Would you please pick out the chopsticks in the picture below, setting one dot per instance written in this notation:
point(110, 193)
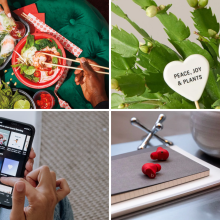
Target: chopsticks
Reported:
point(103, 67)
point(70, 67)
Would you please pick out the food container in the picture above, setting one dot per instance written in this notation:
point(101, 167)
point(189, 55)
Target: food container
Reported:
point(22, 92)
point(24, 80)
point(37, 96)
point(27, 27)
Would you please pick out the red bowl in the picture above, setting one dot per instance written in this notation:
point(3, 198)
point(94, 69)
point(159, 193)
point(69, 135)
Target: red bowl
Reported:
point(24, 80)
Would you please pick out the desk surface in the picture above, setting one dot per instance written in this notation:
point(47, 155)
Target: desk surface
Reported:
point(204, 205)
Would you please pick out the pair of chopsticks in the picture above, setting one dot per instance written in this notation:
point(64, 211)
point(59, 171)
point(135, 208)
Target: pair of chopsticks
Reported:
point(69, 67)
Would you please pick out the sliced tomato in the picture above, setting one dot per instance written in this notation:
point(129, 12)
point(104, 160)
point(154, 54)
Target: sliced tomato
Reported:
point(50, 73)
point(37, 73)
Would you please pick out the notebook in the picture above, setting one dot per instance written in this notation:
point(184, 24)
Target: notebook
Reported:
point(129, 182)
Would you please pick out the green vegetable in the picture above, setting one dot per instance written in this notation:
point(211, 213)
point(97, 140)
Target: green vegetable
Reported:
point(17, 65)
point(2, 60)
point(138, 70)
point(30, 70)
point(42, 43)
point(7, 100)
point(29, 43)
point(60, 51)
point(55, 60)
point(23, 68)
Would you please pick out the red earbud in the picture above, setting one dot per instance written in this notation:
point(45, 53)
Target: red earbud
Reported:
point(150, 169)
point(160, 154)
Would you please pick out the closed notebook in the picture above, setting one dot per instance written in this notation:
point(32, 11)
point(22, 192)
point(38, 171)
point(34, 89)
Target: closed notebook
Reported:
point(129, 182)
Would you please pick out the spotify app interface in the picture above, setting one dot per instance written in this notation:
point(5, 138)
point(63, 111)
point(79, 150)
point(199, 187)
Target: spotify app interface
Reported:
point(14, 142)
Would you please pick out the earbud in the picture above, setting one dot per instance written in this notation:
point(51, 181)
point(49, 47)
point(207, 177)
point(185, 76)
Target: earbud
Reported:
point(150, 169)
point(160, 154)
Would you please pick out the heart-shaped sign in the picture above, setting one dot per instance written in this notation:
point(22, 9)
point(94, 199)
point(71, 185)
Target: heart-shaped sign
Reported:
point(10, 166)
point(188, 78)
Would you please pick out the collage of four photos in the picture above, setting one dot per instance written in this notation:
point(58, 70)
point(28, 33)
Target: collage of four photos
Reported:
point(109, 109)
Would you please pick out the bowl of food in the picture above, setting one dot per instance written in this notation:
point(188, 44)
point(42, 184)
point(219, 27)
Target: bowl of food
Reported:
point(14, 98)
point(44, 100)
point(35, 60)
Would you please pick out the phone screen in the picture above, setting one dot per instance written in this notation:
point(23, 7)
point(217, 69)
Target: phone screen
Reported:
point(15, 145)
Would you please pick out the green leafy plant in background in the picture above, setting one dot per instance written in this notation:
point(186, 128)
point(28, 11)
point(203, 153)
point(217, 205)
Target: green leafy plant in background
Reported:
point(137, 68)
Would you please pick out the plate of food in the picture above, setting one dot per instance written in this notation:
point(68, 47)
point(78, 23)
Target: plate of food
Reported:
point(14, 98)
point(12, 30)
point(32, 60)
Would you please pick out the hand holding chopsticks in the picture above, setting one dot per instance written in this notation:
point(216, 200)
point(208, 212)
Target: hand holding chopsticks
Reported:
point(71, 67)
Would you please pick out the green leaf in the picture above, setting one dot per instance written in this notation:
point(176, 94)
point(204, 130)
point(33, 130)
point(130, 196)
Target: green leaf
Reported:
point(123, 43)
point(175, 29)
point(187, 48)
point(156, 83)
point(175, 101)
point(117, 10)
point(29, 43)
point(17, 65)
point(131, 85)
point(142, 105)
point(117, 72)
point(116, 100)
point(204, 20)
point(2, 60)
point(218, 79)
point(60, 51)
point(36, 79)
point(30, 70)
point(160, 56)
point(55, 60)
point(167, 7)
point(216, 104)
point(119, 62)
point(145, 3)
point(23, 68)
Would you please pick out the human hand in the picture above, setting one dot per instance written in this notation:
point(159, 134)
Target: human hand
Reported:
point(40, 189)
point(92, 83)
point(30, 163)
point(4, 4)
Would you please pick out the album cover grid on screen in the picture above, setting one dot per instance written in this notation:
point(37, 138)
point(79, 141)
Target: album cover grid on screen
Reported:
point(14, 142)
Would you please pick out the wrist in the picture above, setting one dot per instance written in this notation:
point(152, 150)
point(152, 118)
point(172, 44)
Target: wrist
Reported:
point(97, 99)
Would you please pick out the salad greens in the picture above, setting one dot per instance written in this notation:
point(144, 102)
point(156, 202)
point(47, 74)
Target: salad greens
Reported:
point(7, 99)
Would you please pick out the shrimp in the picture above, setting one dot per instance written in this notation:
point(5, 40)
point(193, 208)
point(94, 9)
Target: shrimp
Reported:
point(7, 45)
point(53, 49)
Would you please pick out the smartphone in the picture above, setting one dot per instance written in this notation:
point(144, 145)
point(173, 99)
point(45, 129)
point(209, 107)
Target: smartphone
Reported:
point(15, 145)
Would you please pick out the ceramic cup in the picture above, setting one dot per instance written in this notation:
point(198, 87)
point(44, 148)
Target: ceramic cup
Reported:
point(205, 128)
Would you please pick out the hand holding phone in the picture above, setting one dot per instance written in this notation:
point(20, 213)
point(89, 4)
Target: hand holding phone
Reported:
point(42, 199)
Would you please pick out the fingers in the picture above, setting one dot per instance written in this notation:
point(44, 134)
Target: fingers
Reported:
point(79, 78)
point(32, 154)
point(18, 198)
point(29, 165)
point(11, 181)
point(86, 67)
point(41, 175)
point(64, 189)
point(53, 175)
point(6, 8)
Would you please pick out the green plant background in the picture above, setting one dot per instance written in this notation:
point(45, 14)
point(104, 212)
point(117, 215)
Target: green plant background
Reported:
point(140, 75)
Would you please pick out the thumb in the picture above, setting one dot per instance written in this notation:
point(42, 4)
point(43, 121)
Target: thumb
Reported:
point(18, 198)
point(6, 8)
point(86, 67)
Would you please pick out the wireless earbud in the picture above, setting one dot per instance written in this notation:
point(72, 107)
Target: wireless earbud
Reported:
point(151, 169)
point(160, 154)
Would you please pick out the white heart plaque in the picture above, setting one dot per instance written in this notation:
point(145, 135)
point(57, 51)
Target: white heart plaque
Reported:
point(188, 78)
point(10, 166)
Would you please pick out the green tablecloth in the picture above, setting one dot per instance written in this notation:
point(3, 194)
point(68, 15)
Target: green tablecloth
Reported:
point(82, 24)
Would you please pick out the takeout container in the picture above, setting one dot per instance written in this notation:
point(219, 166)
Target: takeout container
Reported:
point(37, 97)
point(22, 92)
point(24, 80)
point(27, 27)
